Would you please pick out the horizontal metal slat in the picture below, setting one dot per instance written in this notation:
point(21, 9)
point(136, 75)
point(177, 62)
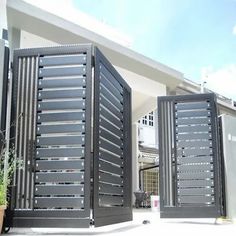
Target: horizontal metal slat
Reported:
point(193, 121)
point(61, 116)
point(62, 83)
point(189, 160)
point(105, 124)
point(114, 139)
point(107, 167)
point(65, 189)
point(62, 140)
point(62, 105)
point(68, 177)
point(193, 128)
point(111, 158)
point(195, 167)
point(107, 84)
point(111, 118)
point(63, 128)
point(110, 200)
point(110, 189)
point(111, 108)
point(108, 146)
point(62, 60)
point(193, 136)
point(64, 202)
point(59, 165)
point(58, 94)
point(195, 191)
point(192, 105)
point(107, 74)
point(194, 152)
point(62, 71)
point(112, 179)
point(195, 183)
point(111, 98)
point(59, 152)
point(195, 143)
point(195, 199)
point(195, 175)
point(193, 114)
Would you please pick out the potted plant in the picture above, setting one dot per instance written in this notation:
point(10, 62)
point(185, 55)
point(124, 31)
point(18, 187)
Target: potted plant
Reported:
point(8, 164)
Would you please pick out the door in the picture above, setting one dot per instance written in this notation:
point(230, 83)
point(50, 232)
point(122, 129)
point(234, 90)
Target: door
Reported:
point(190, 177)
point(112, 145)
point(51, 111)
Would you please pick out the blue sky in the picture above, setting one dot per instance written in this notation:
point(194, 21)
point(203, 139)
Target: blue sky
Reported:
point(188, 35)
point(192, 36)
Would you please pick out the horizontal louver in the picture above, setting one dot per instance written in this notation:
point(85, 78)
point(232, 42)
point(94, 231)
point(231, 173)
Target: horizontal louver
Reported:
point(61, 134)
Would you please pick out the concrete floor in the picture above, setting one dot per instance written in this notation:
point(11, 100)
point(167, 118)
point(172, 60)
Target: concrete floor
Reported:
point(157, 226)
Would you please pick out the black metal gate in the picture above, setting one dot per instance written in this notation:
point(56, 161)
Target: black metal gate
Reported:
point(54, 105)
point(190, 180)
point(112, 145)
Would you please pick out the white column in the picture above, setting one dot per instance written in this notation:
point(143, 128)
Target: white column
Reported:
point(14, 40)
point(135, 166)
point(3, 16)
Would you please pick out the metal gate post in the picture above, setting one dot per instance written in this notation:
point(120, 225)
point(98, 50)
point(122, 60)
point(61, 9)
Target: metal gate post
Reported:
point(4, 65)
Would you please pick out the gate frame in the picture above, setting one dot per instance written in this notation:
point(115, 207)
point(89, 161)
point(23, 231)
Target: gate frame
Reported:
point(57, 218)
point(111, 215)
point(91, 215)
point(201, 211)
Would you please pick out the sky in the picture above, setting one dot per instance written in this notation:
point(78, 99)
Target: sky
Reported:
point(195, 37)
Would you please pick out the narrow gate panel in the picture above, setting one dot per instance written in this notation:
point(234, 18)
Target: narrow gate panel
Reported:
point(112, 159)
point(189, 156)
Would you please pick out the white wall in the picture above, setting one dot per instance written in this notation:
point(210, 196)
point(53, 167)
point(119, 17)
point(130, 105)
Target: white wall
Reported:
point(147, 134)
point(229, 144)
point(29, 40)
point(3, 16)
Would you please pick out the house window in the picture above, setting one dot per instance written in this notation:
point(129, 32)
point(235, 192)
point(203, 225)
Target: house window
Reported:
point(150, 116)
point(148, 119)
point(144, 120)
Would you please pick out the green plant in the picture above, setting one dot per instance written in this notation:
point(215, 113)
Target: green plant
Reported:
point(8, 164)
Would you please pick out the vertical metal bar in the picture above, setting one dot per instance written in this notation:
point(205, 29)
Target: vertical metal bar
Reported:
point(14, 122)
point(160, 143)
point(32, 128)
point(33, 165)
point(23, 124)
point(166, 156)
point(19, 117)
point(169, 153)
point(26, 131)
point(174, 153)
point(31, 92)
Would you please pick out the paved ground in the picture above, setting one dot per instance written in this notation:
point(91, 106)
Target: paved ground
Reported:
point(157, 226)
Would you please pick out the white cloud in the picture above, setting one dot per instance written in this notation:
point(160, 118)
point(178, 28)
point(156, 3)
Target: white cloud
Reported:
point(222, 81)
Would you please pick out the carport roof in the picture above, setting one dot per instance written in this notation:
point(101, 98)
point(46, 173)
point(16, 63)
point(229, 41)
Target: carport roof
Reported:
point(32, 19)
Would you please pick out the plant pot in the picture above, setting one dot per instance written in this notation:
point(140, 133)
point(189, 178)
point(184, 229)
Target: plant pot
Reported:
point(2, 210)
